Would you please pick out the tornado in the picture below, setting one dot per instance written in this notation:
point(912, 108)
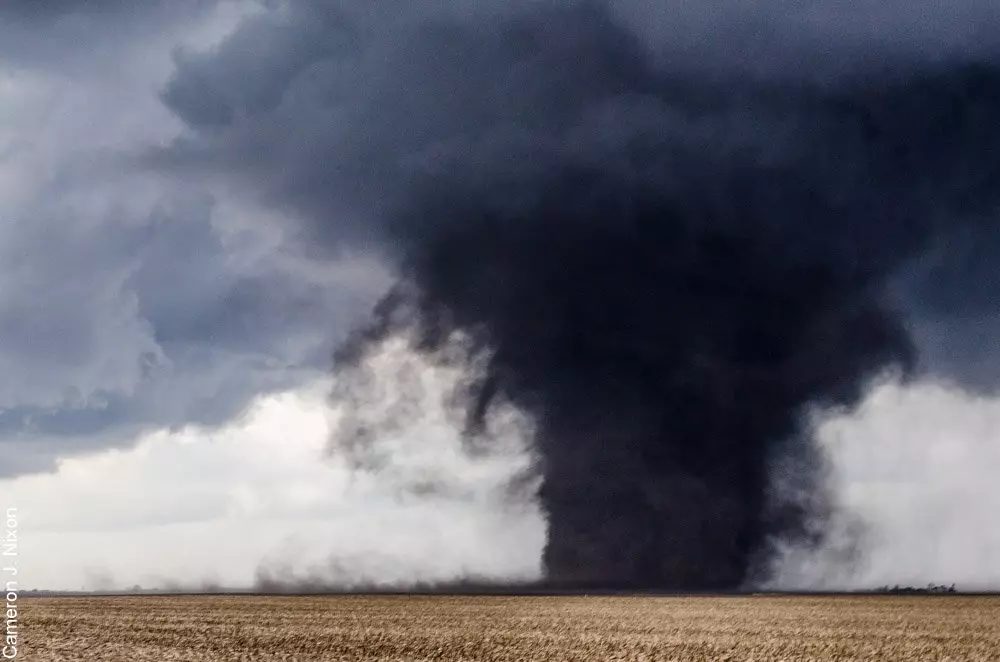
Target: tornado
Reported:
point(666, 265)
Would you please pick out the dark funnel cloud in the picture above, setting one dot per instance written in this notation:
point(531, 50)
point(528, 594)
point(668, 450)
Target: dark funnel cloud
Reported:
point(667, 266)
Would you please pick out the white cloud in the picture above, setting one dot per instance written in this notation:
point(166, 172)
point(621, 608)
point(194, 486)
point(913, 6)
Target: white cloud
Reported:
point(919, 465)
point(192, 506)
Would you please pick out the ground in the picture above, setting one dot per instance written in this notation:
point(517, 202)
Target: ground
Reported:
point(579, 628)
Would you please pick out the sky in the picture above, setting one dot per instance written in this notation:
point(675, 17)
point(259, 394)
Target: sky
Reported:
point(166, 334)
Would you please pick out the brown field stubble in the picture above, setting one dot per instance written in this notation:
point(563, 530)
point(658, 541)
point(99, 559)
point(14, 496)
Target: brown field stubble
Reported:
point(211, 629)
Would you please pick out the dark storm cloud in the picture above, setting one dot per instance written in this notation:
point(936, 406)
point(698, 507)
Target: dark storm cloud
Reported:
point(319, 107)
point(820, 38)
point(50, 10)
point(67, 35)
point(953, 295)
point(666, 262)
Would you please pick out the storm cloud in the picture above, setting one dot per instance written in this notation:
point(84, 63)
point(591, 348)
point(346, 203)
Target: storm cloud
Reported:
point(134, 299)
point(664, 261)
point(663, 245)
point(648, 240)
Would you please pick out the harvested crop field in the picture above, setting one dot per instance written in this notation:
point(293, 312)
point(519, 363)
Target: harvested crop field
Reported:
point(212, 628)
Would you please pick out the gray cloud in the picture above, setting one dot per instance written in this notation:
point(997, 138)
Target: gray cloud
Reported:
point(62, 305)
point(70, 35)
point(51, 9)
point(45, 14)
point(129, 299)
point(119, 327)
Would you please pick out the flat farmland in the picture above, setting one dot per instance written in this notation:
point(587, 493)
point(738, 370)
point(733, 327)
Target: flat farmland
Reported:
point(598, 628)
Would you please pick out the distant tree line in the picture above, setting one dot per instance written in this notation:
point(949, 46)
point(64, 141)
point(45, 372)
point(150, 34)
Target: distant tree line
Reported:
point(903, 590)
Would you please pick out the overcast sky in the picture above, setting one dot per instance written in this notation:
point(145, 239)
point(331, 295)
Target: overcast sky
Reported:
point(165, 334)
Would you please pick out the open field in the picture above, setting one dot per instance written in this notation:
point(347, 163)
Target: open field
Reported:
point(213, 628)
